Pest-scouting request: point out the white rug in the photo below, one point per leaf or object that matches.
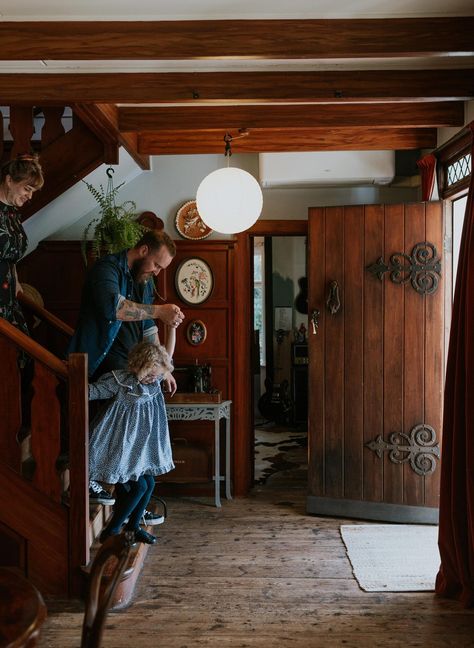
(393, 557)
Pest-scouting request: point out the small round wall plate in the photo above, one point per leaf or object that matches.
(189, 224)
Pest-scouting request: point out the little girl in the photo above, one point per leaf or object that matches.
(130, 442)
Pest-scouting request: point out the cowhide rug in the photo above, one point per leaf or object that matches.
(280, 453)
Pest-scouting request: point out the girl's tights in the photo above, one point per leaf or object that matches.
(131, 499)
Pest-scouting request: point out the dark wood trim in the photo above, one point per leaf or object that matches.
(279, 228)
(267, 141)
(33, 349)
(363, 86)
(103, 121)
(197, 39)
(456, 147)
(407, 115)
(242, 409)
(65, 162)
(79, 461)
(269, 318)
(45, 315)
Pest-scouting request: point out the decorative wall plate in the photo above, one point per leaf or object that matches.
(150, 220)
(189, 224)
(196, 332)
(194, 281)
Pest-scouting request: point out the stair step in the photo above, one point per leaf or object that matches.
(126, 587)
(98, 516)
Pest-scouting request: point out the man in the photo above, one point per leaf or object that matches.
(117, 311)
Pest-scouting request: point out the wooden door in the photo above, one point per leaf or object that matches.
(376, 361)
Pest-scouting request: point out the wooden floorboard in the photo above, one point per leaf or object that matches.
(259, 573)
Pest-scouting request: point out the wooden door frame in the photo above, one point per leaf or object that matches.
(243, 440)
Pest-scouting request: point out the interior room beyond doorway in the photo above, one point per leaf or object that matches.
(279, 356)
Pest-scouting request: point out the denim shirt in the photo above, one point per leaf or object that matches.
(108, 282)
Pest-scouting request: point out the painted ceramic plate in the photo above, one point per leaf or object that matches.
(189, 224)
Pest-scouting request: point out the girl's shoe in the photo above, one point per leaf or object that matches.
(143, 536)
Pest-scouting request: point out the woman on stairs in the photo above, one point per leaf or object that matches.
(19, 179)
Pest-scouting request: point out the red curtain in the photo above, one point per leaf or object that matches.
(427, 166)
(456, 525)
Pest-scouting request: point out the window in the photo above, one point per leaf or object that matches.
(458, 170)
(459, 209)
(454, 164)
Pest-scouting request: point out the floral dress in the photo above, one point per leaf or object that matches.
(13, 244)
(129, 437)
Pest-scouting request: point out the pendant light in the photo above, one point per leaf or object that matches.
(229, 200)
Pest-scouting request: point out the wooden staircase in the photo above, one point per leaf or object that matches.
(72, 141)
(48, 532)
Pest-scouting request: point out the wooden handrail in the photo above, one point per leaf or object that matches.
(33, 349)
(45, 436)
(45, 314)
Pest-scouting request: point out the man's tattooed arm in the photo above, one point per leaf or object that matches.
(129, 311)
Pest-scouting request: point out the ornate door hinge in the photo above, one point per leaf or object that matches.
(422, 268)
(420, 448)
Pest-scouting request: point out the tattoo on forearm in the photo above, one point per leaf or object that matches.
(131, 312)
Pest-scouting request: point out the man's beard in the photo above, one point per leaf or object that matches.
(137, 271)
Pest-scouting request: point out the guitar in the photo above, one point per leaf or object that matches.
(275, 404)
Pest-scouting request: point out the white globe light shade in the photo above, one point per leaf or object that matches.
(229, 200)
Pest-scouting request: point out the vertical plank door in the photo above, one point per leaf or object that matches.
(376, 288)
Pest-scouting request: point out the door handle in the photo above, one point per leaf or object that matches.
(315, 320)
(333, 301)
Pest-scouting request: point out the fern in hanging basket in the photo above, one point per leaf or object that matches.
(115, 228)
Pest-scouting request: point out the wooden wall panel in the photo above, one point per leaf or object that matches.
(63, 259)
(414, 352)
(57, 270)
(393, 352)
(334, 357)
(352, 303)
(373, 354)
(434, 347)
(316, 404)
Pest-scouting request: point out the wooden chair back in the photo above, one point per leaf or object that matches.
(103, 580)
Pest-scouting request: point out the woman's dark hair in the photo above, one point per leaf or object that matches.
(25, 167)
(155, 239)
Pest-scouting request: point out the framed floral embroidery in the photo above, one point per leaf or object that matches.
(196, 332)
(194, 281)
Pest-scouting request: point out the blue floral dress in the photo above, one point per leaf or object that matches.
(130, 436)
(13, 244)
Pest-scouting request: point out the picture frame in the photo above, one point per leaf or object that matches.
(194, 281)
(189, 223)
(196, 332)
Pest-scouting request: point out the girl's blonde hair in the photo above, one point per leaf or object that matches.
(145, 356)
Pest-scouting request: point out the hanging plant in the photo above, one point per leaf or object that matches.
(115, 228)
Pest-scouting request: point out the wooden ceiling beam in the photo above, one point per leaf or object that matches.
(239, 87)
(234, 118)
(102, 119)
(224, 39)
(269, 141)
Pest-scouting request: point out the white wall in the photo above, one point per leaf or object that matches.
(174, 179)
(444, 134)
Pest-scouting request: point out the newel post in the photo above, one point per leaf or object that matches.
(79, 468)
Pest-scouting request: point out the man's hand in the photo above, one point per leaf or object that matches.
(169, 314)
(170, 384)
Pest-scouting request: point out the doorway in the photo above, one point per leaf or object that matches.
(279, 359)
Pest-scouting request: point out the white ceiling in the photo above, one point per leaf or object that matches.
(124, 10)
(49, 10)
